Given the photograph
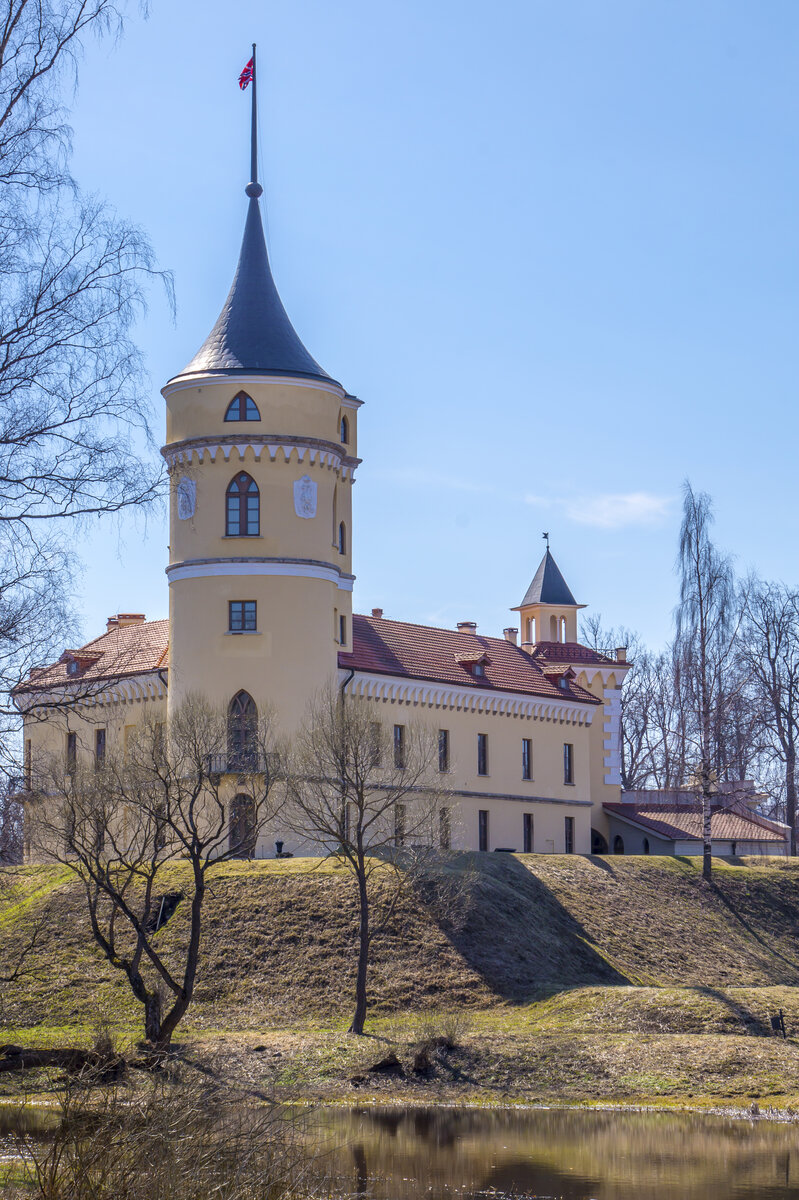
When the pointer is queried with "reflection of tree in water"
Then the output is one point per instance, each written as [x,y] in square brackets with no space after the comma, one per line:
[436,1154]
[522,1179]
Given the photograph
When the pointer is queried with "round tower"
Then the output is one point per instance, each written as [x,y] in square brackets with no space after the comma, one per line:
[261,447]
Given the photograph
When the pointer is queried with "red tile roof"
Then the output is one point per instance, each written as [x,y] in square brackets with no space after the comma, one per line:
[122,651]
[685,824]
[424,652]
[573,652]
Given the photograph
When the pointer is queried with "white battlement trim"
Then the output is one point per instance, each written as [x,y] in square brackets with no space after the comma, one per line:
[372,686]
[324,455]
[203,568]
[203,379]
[147,685]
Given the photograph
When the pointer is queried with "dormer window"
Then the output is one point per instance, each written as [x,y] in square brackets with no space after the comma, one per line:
[478,669]
[242,408]
[563,683]
[73,667]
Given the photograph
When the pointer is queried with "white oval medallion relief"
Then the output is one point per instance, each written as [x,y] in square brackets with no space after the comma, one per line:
[187,498]
[305,497]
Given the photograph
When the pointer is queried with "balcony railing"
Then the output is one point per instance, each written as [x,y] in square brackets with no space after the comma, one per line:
[243,762]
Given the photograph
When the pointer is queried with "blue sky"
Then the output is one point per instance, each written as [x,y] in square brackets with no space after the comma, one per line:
[552,246]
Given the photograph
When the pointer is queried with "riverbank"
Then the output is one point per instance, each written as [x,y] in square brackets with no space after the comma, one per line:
[556,980]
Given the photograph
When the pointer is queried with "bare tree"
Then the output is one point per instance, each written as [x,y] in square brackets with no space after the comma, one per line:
[769,653]
[74,432]
[370,799]
[707,623]
[122,827]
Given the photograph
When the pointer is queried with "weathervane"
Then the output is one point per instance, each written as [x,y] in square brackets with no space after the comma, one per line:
[545,536]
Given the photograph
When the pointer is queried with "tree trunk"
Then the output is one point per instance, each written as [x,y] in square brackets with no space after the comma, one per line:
[359,1018]
[790,797]
[152,1018]
[707,843]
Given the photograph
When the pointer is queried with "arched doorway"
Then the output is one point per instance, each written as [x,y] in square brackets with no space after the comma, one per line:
[599,843]
[242,831]
[618,844]
[242,733]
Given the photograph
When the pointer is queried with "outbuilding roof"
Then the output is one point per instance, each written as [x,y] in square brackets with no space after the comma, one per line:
[443,655]
[684,824]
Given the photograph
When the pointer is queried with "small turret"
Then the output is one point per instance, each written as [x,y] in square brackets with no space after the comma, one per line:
[548,612]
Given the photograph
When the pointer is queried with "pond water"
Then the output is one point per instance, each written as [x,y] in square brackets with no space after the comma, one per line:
[448,1153]
[439,1154]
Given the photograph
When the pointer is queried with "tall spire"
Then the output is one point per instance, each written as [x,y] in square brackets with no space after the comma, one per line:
[253,188]
[253,334]
[548,585]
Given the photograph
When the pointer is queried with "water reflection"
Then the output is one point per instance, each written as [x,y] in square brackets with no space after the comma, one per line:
[406,1154]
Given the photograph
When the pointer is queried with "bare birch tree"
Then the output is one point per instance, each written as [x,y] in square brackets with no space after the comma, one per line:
[74,413]
[769,653]
[124,828]
[371,797]
[707,621]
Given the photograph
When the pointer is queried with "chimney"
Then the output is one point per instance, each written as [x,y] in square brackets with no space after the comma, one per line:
[377,612]
[123,619]
[467,627]
[511,635]
[621,654]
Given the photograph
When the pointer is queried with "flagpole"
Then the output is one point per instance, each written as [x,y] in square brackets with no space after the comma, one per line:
[254,130]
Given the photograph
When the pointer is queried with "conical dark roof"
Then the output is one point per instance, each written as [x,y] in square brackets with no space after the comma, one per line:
[548,586]
[253,334]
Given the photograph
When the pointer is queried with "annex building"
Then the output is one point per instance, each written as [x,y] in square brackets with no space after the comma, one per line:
[262,448]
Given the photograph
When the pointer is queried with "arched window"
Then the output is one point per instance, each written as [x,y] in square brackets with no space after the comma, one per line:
[618,844]
[345,431]
[243,507]
[242,832]
[646,845]
[553,629]
[342,538]
[242,733]
[242,408]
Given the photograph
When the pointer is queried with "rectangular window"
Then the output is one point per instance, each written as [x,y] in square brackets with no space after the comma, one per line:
[242,616]
[99,747]
[342,630]
[72,752]
[399,824]
[528,832]
[568,762]
[482,754]
[443,750]
[482,829]
[444,829]
[399,746]
[569,835]
[376,739]
[527,758]
[28,765]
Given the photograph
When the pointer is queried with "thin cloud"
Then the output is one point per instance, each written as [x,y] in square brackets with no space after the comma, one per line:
[609,510]
[414,477]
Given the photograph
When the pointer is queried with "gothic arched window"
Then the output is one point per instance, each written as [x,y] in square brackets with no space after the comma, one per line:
[345,431]
[242,832]
[242,408]
[342,538]
[243,507]
[242,733]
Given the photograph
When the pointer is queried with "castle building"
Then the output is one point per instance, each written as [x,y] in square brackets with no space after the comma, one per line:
[262,447]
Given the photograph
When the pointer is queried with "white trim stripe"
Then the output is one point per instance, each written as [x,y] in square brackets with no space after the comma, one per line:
[295,570]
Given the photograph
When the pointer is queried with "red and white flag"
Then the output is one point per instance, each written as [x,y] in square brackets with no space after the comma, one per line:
[246,75]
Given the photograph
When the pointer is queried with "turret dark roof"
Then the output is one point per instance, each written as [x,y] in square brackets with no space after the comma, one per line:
[253,334]
[548,586]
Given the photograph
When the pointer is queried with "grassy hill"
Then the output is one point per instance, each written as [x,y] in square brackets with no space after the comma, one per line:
[542,952]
